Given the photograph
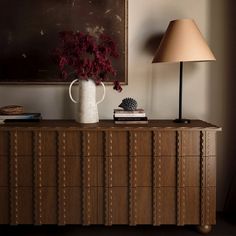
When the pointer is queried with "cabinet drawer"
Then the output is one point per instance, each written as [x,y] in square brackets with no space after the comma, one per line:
[72,172]
[143,205]
[72,204]
[23,209]
[46,172]
[118,205]
[25,171]
[4,171]
[70,143]
[166,205]
[4,143]
[119,171]
[46,205]
[4,205]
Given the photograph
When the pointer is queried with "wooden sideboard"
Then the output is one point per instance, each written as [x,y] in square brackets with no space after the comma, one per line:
[61,172]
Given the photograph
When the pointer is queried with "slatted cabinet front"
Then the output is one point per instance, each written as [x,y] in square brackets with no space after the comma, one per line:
[121,176]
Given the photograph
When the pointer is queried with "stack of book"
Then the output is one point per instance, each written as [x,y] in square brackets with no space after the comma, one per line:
[25,117]
[130,117]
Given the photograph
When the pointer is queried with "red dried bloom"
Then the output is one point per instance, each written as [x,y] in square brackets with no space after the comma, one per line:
[117,86]
[85,56]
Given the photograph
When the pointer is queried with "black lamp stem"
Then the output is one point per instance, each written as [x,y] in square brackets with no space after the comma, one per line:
[180,89]
[180,119]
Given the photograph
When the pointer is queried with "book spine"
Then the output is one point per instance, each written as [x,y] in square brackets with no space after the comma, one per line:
[132,122]
[23,116]
[130,118]
[128,112]
[130,115]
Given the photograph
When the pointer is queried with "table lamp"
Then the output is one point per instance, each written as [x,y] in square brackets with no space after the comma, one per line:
[183,42]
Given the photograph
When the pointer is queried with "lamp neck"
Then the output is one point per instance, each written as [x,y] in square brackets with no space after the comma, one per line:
[180,119]
[180,89]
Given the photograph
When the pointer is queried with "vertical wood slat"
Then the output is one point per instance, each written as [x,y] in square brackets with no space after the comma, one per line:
[10,179]
[38,181]
[35,179]
[61,178]
[108,169]
[83,179]
[180,187]
[156,162]
[106,179]
[205,171]
[86,179]
[202,171]
[13,178]
[184,144]
[132,178]
[154,179]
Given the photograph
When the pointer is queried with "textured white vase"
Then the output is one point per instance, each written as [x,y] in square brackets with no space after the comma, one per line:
[87,110]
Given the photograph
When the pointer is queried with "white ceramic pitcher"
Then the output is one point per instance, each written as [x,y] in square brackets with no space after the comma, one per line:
[87,112]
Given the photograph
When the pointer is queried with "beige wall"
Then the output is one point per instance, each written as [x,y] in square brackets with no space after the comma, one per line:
[155,87]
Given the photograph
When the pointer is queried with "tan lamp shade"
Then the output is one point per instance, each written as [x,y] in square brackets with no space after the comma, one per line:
[182,42]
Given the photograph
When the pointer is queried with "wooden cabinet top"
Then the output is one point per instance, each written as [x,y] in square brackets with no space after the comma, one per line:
[109,125]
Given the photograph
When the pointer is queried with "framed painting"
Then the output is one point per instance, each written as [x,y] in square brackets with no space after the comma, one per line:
[29,32]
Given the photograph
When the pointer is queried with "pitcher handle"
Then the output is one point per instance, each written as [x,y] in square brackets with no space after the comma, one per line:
[104,93]
[70,93]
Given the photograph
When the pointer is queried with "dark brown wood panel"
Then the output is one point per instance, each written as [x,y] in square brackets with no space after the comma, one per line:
[47,205]
[92,176]
[48,172]
[73,207]
[141,143]
[211,171]
[192,171]
[167,211]
[166,143]
[47,143]
[4,143]
[192,205]
[119,207]
[24,143]
[72,172]
[119,169]
[93,143]
[4,173]
[70,143]
[4,206]
[143,205]
[167,171]
[25,205]
[210,142]
[118,142]
[144,172]
[25,171]
[100,205]
[190,143]
[211,206]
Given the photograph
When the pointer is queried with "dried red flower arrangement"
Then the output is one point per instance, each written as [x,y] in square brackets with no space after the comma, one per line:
[85,56]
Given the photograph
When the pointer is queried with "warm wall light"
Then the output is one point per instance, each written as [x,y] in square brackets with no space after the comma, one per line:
[183,42]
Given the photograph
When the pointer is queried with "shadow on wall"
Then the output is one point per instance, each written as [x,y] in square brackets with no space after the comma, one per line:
[222,98]
[152,43]
[230,203]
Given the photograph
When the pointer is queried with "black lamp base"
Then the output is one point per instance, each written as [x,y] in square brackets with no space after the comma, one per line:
[182,121]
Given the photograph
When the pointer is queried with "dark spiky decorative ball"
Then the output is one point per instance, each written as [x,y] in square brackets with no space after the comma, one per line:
[129,104]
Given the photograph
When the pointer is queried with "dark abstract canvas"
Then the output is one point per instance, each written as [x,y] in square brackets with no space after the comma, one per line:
[29,33]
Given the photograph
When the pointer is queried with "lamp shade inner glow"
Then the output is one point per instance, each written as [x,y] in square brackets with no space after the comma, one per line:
[182,42]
